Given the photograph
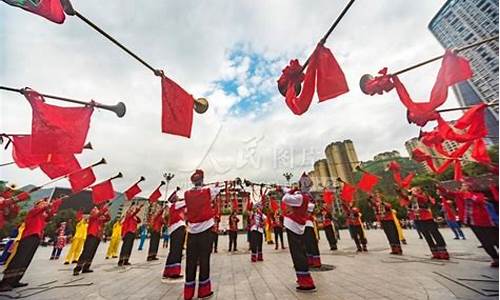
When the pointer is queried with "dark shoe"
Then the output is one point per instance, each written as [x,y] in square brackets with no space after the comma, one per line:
[365,249]
[282,247]
[276,248]
[107,257]
[149,259]
[494,264]
[76,273]
[235,250]
[155,258]
[66,262]
[74,262]
[52,258]
[5,287]
[114,256]
[127,263]
[87,271]
[19,284]
[456,238]
[404,242]
[303,289]
[334,248]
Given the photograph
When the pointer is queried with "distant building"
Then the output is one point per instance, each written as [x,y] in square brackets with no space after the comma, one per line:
[414,143]
[341,160]
[322,173]
[387,155]
[463,22]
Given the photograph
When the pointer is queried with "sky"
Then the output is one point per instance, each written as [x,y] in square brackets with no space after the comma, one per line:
[232,53]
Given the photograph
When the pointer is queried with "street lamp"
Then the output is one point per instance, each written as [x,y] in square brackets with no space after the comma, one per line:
[168,177]
[288,176]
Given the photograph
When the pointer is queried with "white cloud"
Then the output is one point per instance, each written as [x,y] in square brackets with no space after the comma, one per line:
[191,41]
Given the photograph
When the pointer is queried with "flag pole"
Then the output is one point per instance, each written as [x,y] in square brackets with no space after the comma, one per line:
[119,109]
[464,107]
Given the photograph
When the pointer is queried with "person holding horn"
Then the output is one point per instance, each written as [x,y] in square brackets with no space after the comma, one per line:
[129,228]
[116,235]
[78,240]
[353,219]
[177,232]
[257,221]
[296,216]
[200,220]
[233,231]
[35,222]
[156,223]
[384,215]
[98,217]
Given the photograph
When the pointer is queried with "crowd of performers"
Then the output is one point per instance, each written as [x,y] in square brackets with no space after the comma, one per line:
[192,224]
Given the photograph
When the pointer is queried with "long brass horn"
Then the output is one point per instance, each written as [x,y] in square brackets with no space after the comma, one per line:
[200,105]
[119,109]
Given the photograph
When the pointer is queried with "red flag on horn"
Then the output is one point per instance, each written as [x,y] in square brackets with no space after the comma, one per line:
[51,10]
[56,129]
[102,192]
[81,179]
[133,191]
[347,193]
[21,153]
[367,182]
[60,165]
[177,109]
[155,195]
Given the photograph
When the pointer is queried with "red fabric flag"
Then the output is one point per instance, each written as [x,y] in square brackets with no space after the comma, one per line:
[494,191]
[458,171]
[102,192]
[453,70]
[81,179]
[133,191]
[50,9]
[60,165]
[283,206]
[177,109]
[480,153]
[405,183]
[347,193]
[57,129]
[323,67]
[155,195]
[274,204]
[328,196]
[367,182]
[21,153]
[472,126]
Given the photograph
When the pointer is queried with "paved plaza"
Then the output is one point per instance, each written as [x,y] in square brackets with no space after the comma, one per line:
[372,275]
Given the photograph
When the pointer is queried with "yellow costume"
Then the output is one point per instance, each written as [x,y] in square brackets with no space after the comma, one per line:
[398,226]
[116,236]
[269,237]
[77,242]
[16,243]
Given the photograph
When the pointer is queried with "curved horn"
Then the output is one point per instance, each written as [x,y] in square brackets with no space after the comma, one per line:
[283,88]
[101,162]
[201,105]
[119,175]
[162,183]
[362,83]
[119,109]
[142,178]
[88,146]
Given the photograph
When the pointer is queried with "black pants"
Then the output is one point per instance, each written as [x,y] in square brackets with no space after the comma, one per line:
[173,263]
[278,233]
[358,235]
[154,243]
[199,247]
[330,236]
[391,232]
[296,244]
[21,260]
[126,250]
[56,252]
[88,253]
[432,235]
[488,237]
[311,241]
[215,238]
[233,240]
[256,240]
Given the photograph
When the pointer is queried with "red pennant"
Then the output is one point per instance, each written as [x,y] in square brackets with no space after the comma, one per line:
[102,192]
[453,70]
[458,171]
[21,153]
[367,182]
[274,204]
[79,215]
[177,109]
[283,206]
[494,191]
[50,9]
[57,129]
[81,179]
[480,153]
[328,197]
[331,80]
[132,191]
[347,193]
[155,195]
[60,165]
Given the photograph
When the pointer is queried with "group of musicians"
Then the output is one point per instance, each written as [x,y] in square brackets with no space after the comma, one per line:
[192,221]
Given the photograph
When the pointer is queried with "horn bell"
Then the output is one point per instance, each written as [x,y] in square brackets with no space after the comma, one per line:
[200,105]
[362,82]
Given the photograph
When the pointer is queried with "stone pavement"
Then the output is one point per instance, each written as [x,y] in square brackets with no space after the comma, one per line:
[371,275]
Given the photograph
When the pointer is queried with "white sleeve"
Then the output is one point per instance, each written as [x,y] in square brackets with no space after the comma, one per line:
[310,207]
[180,204]
[214,191]
[293,200]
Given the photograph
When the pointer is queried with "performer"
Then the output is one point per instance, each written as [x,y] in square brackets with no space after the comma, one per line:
[215,232]
[116,235]
[35,221]
[397,222]
[156,223]
[233,231]
[257,219]
[472,211]
[8,246]
[165,236]
[353,218]
[98,217]
[143,234]
[294,222]
[278,229]
[421,204]
[200,220]
[177,232]
[129,228]
[329,231]
[450,216]
[78,240]
[311,240]
[384,215]
[13,248]
[59,242]
[8,206]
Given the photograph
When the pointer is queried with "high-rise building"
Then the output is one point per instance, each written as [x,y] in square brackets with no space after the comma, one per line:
[342,159]
[322,173]
[414,143]
[463,22]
